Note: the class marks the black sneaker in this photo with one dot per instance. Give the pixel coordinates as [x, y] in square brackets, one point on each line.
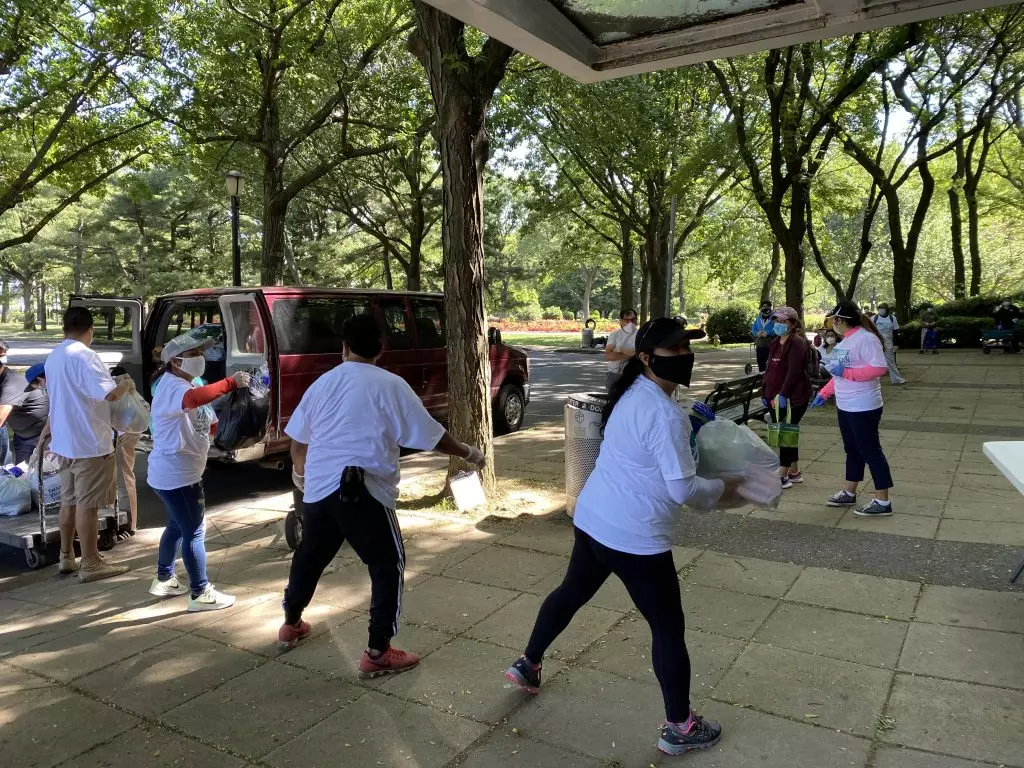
[701, 734]
[524, 674]
[874, 509]
[842, 499]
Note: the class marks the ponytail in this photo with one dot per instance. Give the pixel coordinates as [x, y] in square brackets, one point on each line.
[633, 370]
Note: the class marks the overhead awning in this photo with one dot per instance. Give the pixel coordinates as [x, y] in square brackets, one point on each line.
[592, 40]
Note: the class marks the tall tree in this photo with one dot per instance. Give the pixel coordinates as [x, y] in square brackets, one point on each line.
[462, 85]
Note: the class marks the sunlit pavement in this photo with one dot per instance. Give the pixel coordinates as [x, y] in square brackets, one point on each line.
[817, 639]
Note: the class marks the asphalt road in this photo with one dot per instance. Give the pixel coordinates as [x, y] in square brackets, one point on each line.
[554, 374]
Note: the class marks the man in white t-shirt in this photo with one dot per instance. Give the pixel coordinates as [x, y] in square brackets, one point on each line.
[80, 391]
[346, 434]
[621, 346]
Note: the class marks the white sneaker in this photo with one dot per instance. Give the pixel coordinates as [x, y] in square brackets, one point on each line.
[210, 600]
[170, 588]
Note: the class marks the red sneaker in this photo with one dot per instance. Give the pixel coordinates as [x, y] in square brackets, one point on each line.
[289, 635]
[391, 662]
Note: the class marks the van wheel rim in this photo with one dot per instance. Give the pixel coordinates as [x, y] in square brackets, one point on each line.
[513, 410]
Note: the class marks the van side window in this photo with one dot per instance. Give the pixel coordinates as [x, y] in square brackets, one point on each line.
[429, 323]
[313, 326]
[399, 337]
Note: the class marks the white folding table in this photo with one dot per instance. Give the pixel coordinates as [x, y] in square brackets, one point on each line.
[1008, 458]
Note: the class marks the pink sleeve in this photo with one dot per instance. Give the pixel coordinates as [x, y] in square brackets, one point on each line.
[826, 392]
[864, 373]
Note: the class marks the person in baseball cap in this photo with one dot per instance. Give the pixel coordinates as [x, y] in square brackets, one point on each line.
[787, 383]
[30, 408]
[625, 523]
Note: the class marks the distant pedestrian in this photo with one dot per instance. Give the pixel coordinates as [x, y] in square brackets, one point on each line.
[80, 390]
[762, 331]
[787, 384]
[887, 324]
[181, 422]
[828, 350]
[346, 435]
[30, 411]
[619, 348]
[856, 370]
[929, 330]
[1007, 316]
[625, 524]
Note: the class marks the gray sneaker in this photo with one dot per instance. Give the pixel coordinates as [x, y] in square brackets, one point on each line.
[842, 499]
[700, 734]
[874, 509]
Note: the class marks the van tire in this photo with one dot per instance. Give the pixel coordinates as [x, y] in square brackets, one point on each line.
[509, 409]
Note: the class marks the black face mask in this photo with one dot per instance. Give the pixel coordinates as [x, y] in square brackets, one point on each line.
[766, 312]
[675, 368]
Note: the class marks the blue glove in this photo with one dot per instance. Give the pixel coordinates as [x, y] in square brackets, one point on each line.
[818, 401]
[782, 401]
[836, 368]
[700, 414]
[766, 404]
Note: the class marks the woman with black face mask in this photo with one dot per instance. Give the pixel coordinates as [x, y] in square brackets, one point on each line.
[625, 524]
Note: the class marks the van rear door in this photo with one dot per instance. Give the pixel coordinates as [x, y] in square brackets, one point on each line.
[248, 344]
[117, 336]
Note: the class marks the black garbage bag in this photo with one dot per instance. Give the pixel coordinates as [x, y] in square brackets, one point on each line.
[243, 419]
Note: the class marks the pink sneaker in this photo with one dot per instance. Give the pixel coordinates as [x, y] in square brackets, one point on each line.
[391, 662]
[289, 635]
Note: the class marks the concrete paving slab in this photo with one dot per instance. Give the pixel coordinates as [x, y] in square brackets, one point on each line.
[979, 608]
[756, 740]
[434, 553]
[380, 730]
[16, 683]
[162, 678]
[465, 677]
[155, 747]
[900, 524]
[835, 694]
[929, 714]
[751, 576]
[511, 626]
[450, 605]
[61, 591]
[28, 724]
[555, 539]
[626, 651]
[337, 650]
[724, 613]
[80, 653]
[962, 653]
[609, 718]
[984, 512]
[507, 567]
[260, 710]
[855, 592]
[268, 573]
[801, 512]
[989, 532]
[901, 757]
[836, 634]
[506, 748]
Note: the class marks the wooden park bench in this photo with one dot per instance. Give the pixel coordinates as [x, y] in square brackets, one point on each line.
[738, 400]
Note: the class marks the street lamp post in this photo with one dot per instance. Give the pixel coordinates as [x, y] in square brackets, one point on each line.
[236, 185]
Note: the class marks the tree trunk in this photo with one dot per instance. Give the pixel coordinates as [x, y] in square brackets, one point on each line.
[413, 276]
[681, 286]
[386, 259]
[793, 246]
[27, 292]
[902, 279]
[627, 296]
[462, 87]
[5, 300]
[773, 273]
[973, 242]
[645, 292]
[275, 207]
[956, 241]
[656, 248]
[588, 283]
[42, 305]
[79, 254]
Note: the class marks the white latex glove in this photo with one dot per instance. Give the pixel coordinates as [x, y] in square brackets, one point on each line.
[475, 457]
[242, 379]
[299, 481]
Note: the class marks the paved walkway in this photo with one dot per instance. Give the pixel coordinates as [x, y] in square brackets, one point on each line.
[817, 639]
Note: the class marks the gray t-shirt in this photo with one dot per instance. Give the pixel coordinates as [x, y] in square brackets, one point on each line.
[30, 407]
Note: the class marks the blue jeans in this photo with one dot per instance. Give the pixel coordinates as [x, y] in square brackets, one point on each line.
[186, 527]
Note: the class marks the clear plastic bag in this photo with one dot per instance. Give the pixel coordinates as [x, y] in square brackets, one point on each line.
[130, 413]
[730, 451]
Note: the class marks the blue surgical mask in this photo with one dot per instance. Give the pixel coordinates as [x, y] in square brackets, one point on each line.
[781, 329]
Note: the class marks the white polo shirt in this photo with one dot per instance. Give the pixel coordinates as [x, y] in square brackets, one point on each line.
[860, 348]
[357, 415]
[623, 342]
[887, 325]
[78, 383]
[625, 503]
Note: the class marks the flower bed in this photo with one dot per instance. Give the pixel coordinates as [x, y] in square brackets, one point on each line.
[550, 326]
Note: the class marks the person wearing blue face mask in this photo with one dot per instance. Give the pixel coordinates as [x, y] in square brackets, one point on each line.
[787, 383]
[763, 331]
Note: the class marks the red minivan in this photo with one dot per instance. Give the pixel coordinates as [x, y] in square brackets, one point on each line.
[296, 334]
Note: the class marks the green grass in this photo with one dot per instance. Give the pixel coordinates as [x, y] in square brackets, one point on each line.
[15, 331]
[572, 341]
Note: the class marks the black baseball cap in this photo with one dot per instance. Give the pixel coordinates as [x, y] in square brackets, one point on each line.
[664, 332]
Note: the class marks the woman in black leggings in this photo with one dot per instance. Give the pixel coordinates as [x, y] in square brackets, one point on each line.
[625, 524]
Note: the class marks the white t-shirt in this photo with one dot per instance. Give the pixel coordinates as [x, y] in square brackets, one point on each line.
[181, 439]
[625, 503]
[78, 383]
[860, 348]
[624, 342]
[357, 415]
[886, 325]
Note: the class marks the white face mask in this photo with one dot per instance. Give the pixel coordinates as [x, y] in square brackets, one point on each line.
[193, 366]
[3, 359]
[629, 327]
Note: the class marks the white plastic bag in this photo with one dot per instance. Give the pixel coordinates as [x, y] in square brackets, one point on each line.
[727, 450]
[130, 413]
[15, 495]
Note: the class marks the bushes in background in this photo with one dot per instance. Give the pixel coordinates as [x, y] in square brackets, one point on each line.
[963, 332]
[731, 323]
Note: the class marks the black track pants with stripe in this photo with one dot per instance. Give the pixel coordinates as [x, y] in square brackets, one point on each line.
[351, 514]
